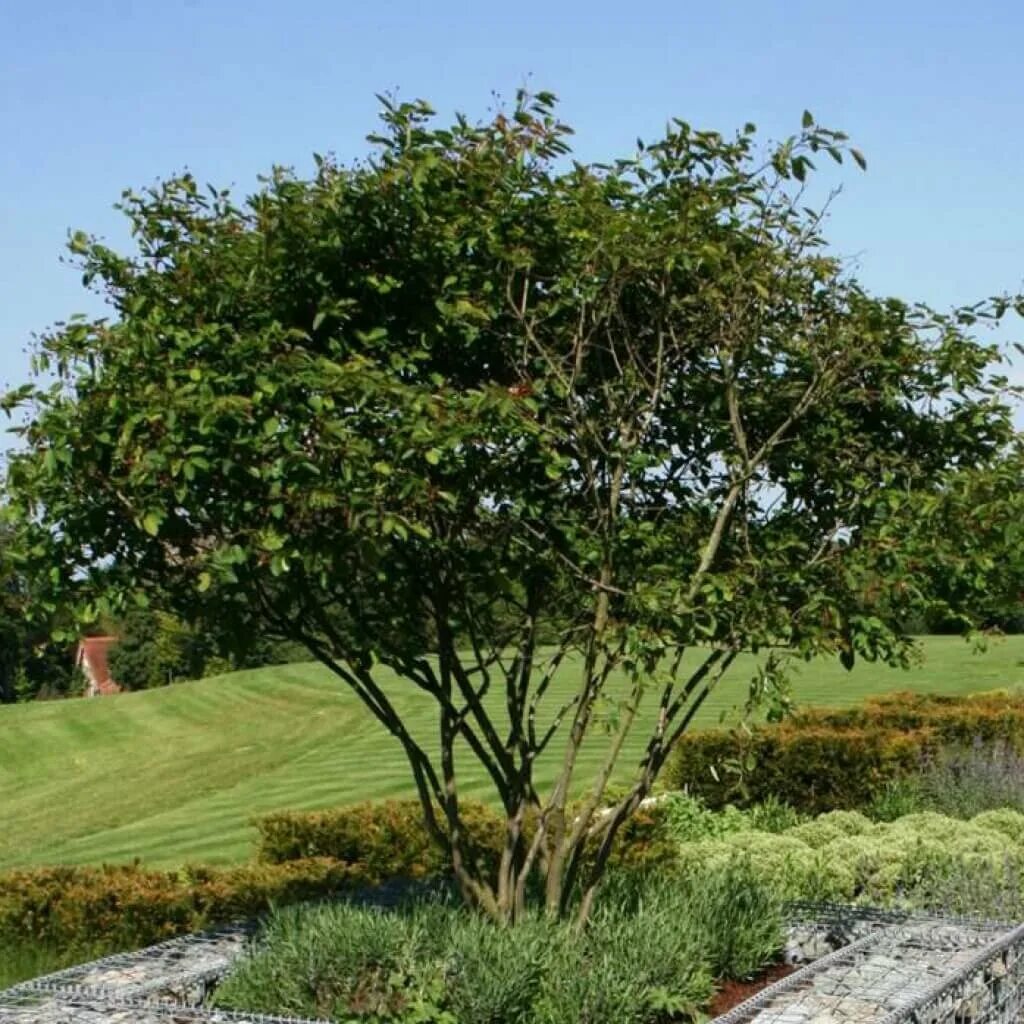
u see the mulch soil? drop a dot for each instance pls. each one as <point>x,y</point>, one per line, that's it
<point>732,993</point>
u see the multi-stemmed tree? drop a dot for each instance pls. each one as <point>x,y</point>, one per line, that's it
<point>481,414</point>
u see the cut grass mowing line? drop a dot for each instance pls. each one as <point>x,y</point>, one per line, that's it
<point>175,774</point>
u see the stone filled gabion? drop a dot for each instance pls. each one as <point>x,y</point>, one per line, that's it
<point>854,966</point>
<point>873,967</point>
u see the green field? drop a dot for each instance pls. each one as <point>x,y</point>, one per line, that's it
<point>175,774</point>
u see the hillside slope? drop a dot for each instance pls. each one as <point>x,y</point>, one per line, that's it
<point>175,774</point>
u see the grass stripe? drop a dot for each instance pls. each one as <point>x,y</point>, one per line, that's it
<point>176,774</point>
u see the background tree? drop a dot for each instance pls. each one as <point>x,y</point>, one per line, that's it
<point>423,411</point>
<point>32,665</point>
<point>156,647</point>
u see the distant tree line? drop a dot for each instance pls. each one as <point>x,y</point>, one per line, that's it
<point>155,647</point>
<point>31,664</point>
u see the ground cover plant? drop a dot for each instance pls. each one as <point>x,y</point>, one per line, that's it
<point>430,412</point>
<point>651,953</point>
<point>922,860</point>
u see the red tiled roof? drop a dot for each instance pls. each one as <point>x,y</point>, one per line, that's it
<point>92,656</point>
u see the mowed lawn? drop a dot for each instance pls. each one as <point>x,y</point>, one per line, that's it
<point>175,775</point>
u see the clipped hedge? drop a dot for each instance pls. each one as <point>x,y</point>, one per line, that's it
<point>989,717</point>
<point>92,909</point>
<point>813,769</point>
<point>824,759</point>
<point>303,856</point>
<point>389,840</point>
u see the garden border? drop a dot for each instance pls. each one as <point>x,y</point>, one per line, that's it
<point>170,981</point>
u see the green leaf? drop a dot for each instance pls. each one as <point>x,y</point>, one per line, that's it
<point>151,522</point>
<point>808,119</point>
<point>270,540</point>
<point>858,158</point>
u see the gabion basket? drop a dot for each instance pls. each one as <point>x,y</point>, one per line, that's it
<point>851,966</point>
<point>867,966</point>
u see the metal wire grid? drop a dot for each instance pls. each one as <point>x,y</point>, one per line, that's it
<point>166,965</point>
<point>927,971</point>
<point>906,968</point>
<point>987,989</point>
<point>161,964</point>
<point>69,1007</point>
<point>802,911</point>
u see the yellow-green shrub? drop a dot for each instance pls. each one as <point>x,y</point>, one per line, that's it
<point>816,834</point>
<point>1008,823</point>
<point>843,856</point>
<point>850,823</point>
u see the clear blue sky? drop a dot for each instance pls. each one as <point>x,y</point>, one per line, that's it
<point>99,95</point>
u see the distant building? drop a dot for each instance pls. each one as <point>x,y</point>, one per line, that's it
<point>91,658</point>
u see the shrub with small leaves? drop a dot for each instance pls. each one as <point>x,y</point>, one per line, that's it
<point>1008,822</point>
<point>123,907</point>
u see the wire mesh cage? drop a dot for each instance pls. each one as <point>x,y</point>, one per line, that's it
<point>851,966</point>
<point>878,967</point>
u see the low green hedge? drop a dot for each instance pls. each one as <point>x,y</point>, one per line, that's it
<point>991,716</point>
<point>839,758</point>
<point>94,910</point>
<point>87,909</point>
<point>389,839</point>
<point>813,768</point>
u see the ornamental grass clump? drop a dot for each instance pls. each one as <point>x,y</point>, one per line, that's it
<point>650,952</point>
<point>965,780</point>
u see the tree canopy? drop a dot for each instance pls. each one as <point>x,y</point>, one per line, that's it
<point>469,407</point>
<point>32,665</point>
